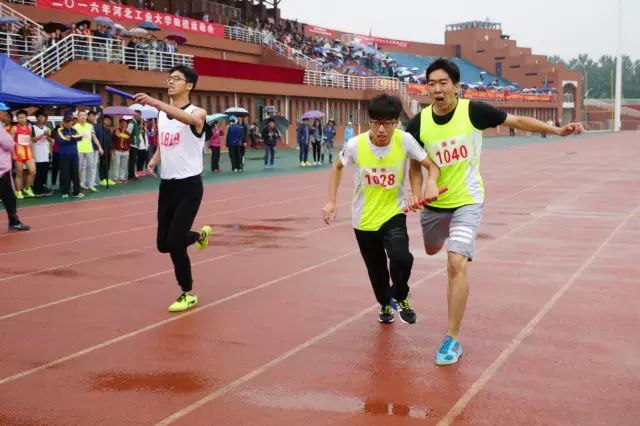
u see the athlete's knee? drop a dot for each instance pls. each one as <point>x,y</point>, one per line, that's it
<point>403,256</point>
<point>456,265</point>
<point>432,250</point>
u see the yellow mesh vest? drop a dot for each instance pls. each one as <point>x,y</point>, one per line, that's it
<point>378,193</point>
<point>455,148</point>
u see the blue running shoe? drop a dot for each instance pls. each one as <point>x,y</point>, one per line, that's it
<point>449,353</point>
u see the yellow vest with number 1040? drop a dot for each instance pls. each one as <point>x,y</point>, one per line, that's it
<point>378,188</point>
<point>455,148</point>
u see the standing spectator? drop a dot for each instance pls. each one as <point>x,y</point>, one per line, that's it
<point>152,137</point>
<point>22,136</point>
<point>104,132</point>
<point>327,143</point>
<point>216,135</point>
<point>120,154</point>
<point>86,153</point>
<point>68,138</point>
<point>143,148</point>
<point>41,135</point>
<point>245,137</point>
<point>303,135</point>
<point>55,159</point>
<point>134,130</point>
<point>7,195</point>
<point>270,136</point>
<point>234,144</point>
<point>254,135</point>
<point>316,140</point>
<point>348,132</point>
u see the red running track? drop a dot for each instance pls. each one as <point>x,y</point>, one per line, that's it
<point>286,329</point>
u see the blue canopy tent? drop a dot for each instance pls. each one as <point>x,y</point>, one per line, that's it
<point>20,87</point>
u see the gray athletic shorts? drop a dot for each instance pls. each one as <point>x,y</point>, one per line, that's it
<point>460,226</point>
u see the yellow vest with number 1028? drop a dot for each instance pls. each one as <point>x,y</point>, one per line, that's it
<point>455,148</point>
<point>378,193</point>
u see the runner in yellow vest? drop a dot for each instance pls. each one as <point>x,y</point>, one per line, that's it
<point>380,159</point>
<point>451,132</point>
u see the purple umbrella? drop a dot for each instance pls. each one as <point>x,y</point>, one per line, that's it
<point>312,115</point>
<point>118,110</point>
<point>177,38</point>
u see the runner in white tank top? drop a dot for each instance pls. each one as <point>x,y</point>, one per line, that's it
<point>181,128</point>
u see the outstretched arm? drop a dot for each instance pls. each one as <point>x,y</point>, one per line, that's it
<point>529,124</point>
<point>196,118</point>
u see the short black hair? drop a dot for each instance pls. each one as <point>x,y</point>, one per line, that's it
<point>447,66</point>
<point>190,75</point>
<point>41,112</point>
<point>385,107</point>
<point>92,112</point>
<point>22,112</point>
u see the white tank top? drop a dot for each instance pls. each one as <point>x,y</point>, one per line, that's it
<point>180,149</point>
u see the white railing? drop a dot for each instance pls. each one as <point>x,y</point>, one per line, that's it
<point>27,2</point>
<point>221,10</point>
<point>8,11</point>
<point>352,82</point>
<point>315,73</point>
<point>242,33</point>
<point>78,47</point>
<point>17,46</point>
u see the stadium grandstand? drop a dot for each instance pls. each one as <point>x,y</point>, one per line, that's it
<point>249,57</point>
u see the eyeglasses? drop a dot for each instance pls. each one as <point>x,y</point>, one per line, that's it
<point>175,79</point>
<point>386,124</point>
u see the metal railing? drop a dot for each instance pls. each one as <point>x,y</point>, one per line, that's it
<point>242,33</point>
<point>352,82</point>
<point>79,47</point>
<point>315,72</point>
<point>229,13</point>
<point>26,2</point>
<point>23,20</point>
<point>17,46</point>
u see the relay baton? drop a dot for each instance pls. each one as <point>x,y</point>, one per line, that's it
<point>424,201</point>
<point>120,93</point>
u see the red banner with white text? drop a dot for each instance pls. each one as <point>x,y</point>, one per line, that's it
<point>132,14</point>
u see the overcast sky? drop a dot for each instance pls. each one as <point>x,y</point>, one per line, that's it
<point>548,27</point>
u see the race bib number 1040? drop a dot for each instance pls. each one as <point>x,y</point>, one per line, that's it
<point>450,152</point>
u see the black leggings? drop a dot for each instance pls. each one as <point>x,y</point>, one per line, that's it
<point>178,204</point>
<point>316,151</point>
<point>215,158</point>
<point>8,198</point>
<point>391,241</point>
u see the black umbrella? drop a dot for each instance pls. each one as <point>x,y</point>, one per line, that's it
<point>282,124</point>
<point>86,23</point>
<point>51,27</point>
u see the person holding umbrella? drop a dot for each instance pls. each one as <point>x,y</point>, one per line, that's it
<point>270,136</point>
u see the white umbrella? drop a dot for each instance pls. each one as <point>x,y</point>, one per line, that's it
<point>147,111</point>
<point>236,111</point>
<point>137,31</point>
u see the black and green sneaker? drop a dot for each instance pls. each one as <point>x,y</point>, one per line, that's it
<point>386,315</point>
<point>407,314</point>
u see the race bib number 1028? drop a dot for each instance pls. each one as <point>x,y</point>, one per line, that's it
<point>380,177</point>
